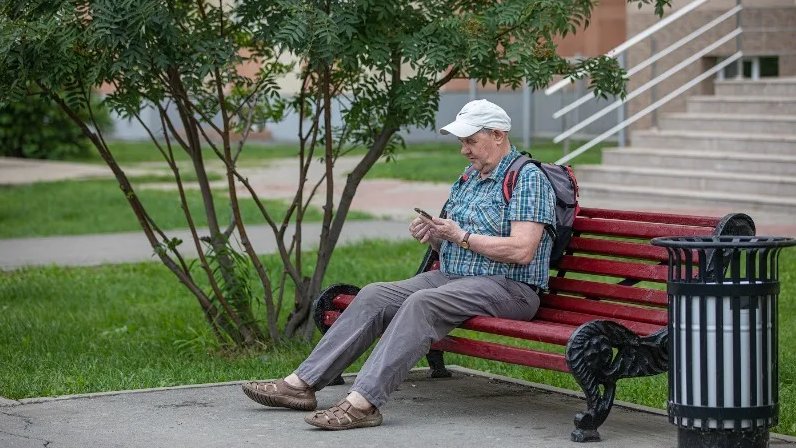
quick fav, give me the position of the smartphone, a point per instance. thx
(423, 213)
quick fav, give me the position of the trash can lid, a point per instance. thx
(726, 242)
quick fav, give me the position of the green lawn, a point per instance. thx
(113, 327)
(76, 330)
(130, 152)
(433, 162)
(98, 206)
(443, 162)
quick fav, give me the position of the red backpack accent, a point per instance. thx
(565, 186)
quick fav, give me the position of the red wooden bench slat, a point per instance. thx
(342, 301)
(607, 309)
(635, 229)
(498, 352)
(551, 333)
(329, 317)
(577, 319)
(665, 218)
(637, 271)
(598, 290)
(617, 248)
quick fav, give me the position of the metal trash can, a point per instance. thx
(723, 363)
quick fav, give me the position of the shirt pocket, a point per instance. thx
(487, 217)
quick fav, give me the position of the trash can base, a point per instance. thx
(696, 438)
(585, 435)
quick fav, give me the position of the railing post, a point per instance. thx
(739, 74)
(621, 136)
(473, 89)
(527, 116)
(654, 89)
(564, 121)
(579, 86)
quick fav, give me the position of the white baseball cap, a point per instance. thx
(477, 115)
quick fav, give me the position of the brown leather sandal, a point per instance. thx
(344, 415)
(281, 394)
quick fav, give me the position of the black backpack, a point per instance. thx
(565, 186)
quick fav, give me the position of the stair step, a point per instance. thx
(593, 191)
(729, 123)
(716, 141)
(777, 165)
(772, 87)
(700, 180)
(742, 105)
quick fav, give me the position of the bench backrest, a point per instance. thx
(610, 270)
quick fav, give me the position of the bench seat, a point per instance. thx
(605, 303)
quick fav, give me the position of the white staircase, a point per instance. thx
(735, 150)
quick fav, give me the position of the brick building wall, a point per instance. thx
(769, 29)
(606, 31)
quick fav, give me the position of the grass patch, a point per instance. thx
(130, 152)
(430, 162)
(98, 206)
(77, 330)
(443, 162)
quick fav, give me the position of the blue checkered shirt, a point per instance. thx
(477, 205)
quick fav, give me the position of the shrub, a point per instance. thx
(36, 128)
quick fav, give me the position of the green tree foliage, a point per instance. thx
(382, 62)
(36, 128)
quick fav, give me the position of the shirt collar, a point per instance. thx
(500, 170)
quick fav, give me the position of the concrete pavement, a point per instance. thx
(471, 409)
(128, 247)
(390, 199)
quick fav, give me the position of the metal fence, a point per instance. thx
(528, 123)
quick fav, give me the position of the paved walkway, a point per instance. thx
(471, 409)
(128, 247)
(392, 200)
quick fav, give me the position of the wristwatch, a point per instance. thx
(464, 243)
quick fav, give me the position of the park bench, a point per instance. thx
(602, 304)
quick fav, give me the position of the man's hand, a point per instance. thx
(420, 229)
(444, 229)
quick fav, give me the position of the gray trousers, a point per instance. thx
(412, 314)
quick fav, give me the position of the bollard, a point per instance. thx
(723, 362)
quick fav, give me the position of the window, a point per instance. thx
(754, 67)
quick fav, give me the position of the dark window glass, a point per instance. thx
(731, 71)
(747, 68)
(769, 66)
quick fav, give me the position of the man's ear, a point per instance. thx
(499, 136)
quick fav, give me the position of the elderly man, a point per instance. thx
(494, 260)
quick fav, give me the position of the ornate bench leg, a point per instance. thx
(437, 363)
(590, 356)
(323, 304)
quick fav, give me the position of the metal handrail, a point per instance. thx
(625, 122)
(713, 70)
(691, 59)
(654, 58)
(636, 39)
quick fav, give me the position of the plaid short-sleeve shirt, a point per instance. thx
(477, 205)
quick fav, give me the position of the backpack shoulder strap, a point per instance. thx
(512, 174)
(510, 181)
(467, 173)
